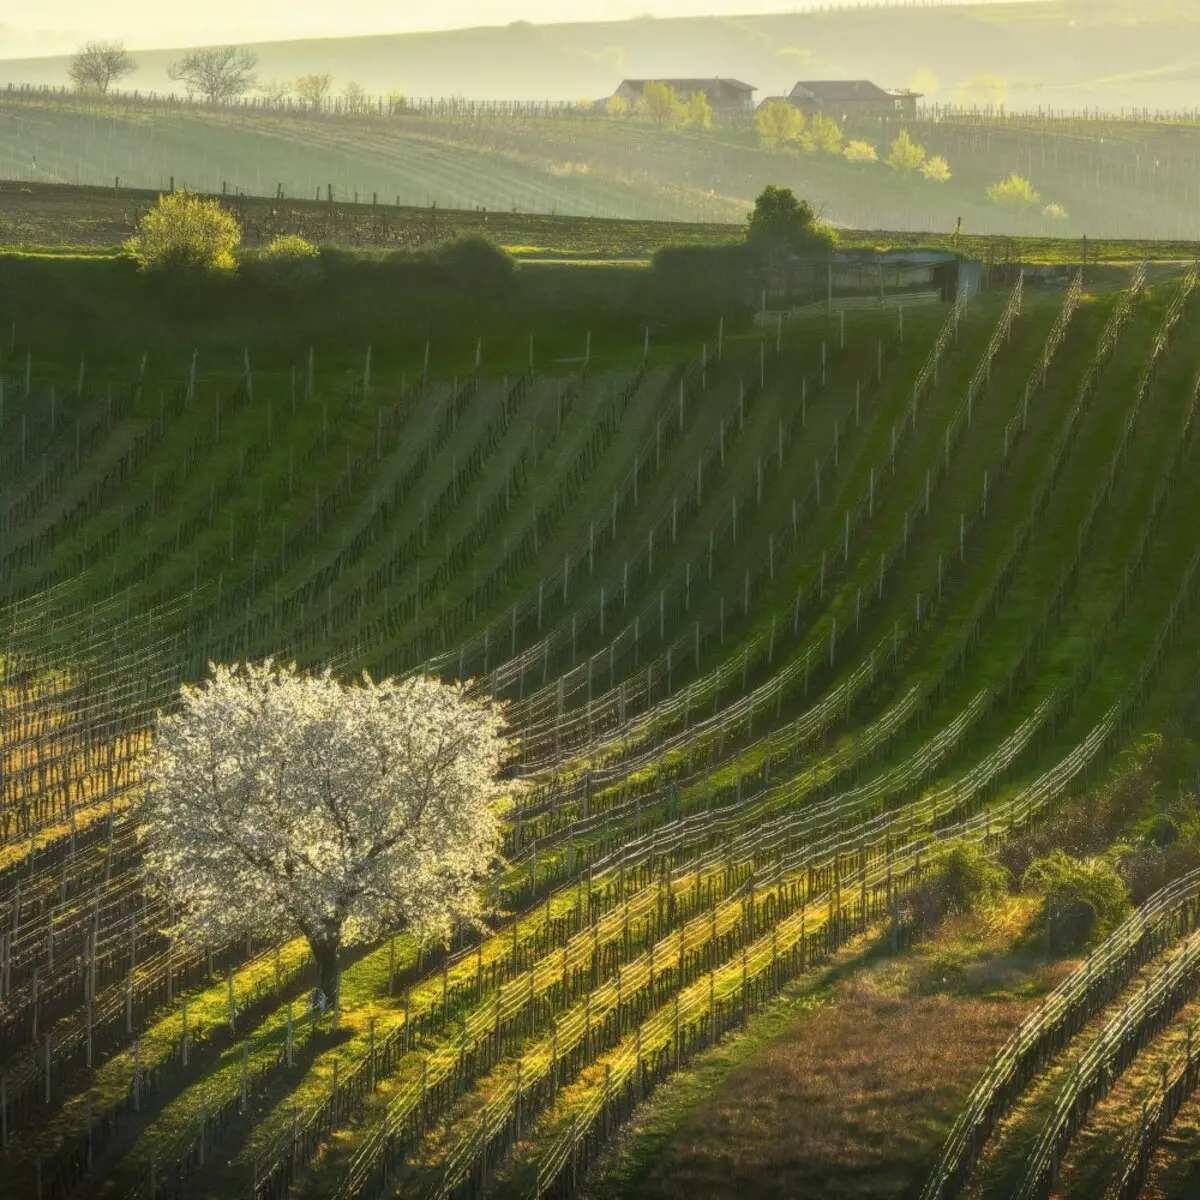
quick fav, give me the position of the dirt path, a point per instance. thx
(850, 1094)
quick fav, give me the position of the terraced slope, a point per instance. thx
(779, 626)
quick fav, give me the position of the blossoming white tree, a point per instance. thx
(283, 802)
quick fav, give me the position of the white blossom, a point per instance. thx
(282, 802)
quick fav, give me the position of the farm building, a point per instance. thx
(728, 97)
(865, 278)
(859, 272)
(842, 98)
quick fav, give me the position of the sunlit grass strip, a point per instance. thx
(160, 1046)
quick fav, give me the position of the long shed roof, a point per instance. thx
(843, 89)
(735, 85)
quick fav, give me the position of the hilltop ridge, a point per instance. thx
(1056, 53)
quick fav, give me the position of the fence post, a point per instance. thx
(371, 1053)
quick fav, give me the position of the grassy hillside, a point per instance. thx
(1108, 178)
(73, 221)
(1065, 54)
(783, 621)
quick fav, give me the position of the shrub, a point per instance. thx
(185, 232)
(694, 282)
(1014, 192)
(290, 245)
(289, 260)
(1083, 900)
(905, 155)
(473, 261)
(464, 275)
(860, 153)
(974, 882)
(936, 169)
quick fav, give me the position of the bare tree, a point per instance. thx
(218, 73)
(311, 90)
(99, 65)
(354, 97)
(274, 91)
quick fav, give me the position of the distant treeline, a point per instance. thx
(396, 104)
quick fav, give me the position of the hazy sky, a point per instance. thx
(53, 25)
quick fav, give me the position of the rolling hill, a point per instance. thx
(1061, 54)
(784, 617)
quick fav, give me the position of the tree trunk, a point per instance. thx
(325, 953)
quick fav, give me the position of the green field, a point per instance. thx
(1106, 177)
(79, 221)
(782, 621)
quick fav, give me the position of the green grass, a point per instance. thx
(63, 221)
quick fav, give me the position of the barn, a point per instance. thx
(843, 99)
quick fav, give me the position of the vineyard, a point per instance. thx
(1109, 177)
(782, 619)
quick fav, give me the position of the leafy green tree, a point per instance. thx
(823, 136)
(779, 124)
(860, 153)
(660, 103)
(186, 232)
(1054, 212)
(616, 106)
(96, 66)
(218, 73)
(905, 156)
(936, 169)
(1014, 192)
(699, 111)
(780, 231)
(780, 221)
